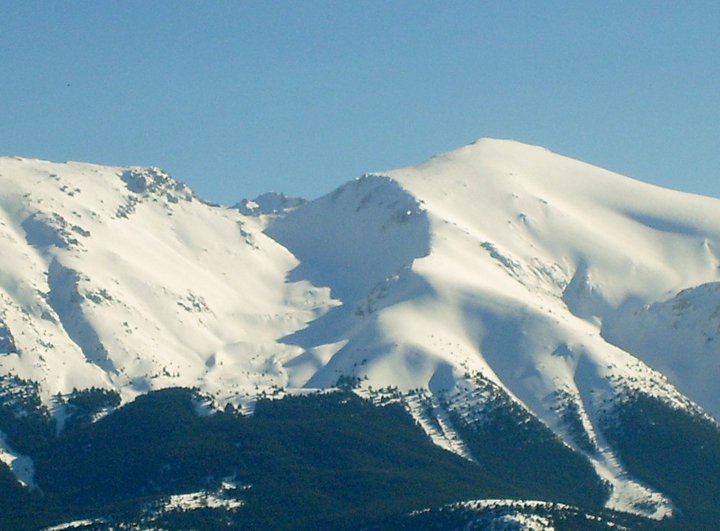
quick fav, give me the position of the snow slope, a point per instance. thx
(122, 278)
(506, 259)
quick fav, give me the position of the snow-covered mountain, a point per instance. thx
(559, 282)
(122, 278)
(497, 269)
(529, 267)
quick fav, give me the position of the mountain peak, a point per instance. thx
(268, 203)
(485, 149)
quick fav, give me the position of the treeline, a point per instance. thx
(329, 461)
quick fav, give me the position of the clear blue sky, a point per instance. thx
(237, 98)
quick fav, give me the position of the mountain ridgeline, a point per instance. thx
(499, 336)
